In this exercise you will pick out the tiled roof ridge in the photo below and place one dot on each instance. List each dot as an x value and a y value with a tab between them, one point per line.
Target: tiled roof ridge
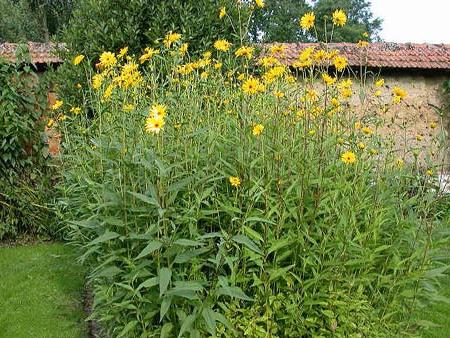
40	52
380	54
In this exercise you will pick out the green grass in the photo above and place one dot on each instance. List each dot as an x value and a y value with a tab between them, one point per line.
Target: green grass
40	292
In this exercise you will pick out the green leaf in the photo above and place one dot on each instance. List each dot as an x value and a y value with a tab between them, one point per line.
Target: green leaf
145	198
260	220
438	272
186	290
166	330
151	247
187	242
165	274
252	233
242	239
328	313
107	236
186	256
149	283
208	316
277	273
130	326
165	305
279	245
233	291
187	323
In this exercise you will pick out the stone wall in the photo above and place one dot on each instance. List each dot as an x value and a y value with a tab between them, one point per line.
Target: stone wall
415	122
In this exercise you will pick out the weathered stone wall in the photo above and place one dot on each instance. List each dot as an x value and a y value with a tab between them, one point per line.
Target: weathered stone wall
415	122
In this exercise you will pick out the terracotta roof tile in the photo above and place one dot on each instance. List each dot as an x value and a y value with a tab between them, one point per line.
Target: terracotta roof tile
381	54
40	52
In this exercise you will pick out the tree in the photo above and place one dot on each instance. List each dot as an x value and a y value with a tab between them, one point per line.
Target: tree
359	20
18	23
279	22
33	20
99	25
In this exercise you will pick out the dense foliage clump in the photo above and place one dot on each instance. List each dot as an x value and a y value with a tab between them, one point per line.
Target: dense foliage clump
25	175
227	195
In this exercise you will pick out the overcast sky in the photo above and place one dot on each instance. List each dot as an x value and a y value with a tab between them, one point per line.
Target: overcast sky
414	20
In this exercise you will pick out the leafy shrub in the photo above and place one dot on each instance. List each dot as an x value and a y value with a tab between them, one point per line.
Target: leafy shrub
25	177
137	24
212	201
18	23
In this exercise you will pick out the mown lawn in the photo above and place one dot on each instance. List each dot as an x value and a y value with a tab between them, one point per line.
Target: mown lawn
40	292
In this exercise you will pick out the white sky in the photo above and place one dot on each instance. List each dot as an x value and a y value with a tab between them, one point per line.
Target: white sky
414	20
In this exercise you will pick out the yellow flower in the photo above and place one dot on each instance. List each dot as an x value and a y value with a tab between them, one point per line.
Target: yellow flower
307	21
399	94
108	91
57	104
97	81
312	132
122	52
433	125
241	77
222	45
278	94
348	157
252	86
149	53
274	73
277	49
63	117
379	83
50	123
268	61
204	75
157	111
171	38
218	65
357	125
367	130
128	107
107	60
400	163
362	43
340	63
75	110
77	59
320	55
340	141
259	3
377	93
258	129
154	124
339	17
335	102
374	151
78	86
430	172
235	181
419	138
207	55
361	145
245	51
222	12
365	34
328	79
183	48
290	79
